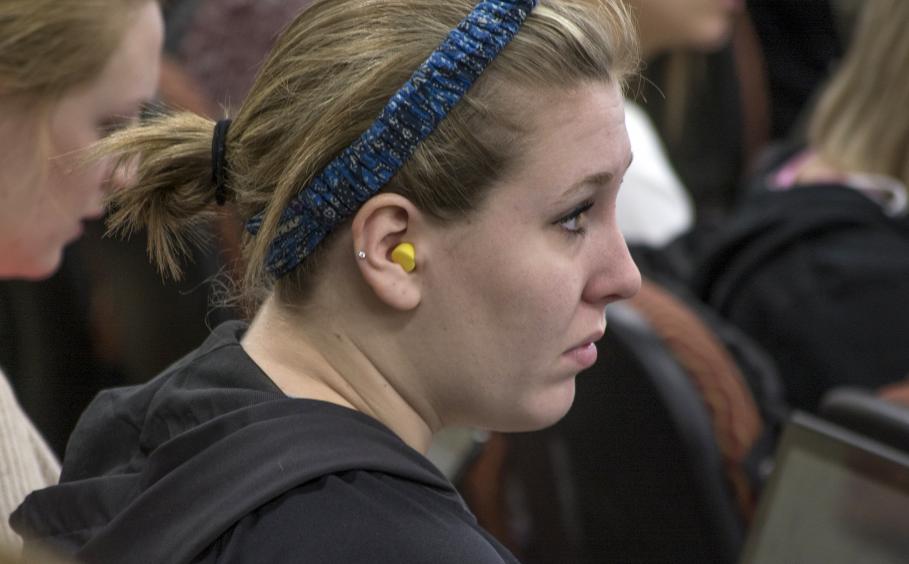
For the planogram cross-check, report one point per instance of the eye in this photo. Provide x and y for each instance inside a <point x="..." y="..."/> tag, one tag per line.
<point x="113" y="124"/>
<point x="116" y="122"/>
<point x="575" y="221"/>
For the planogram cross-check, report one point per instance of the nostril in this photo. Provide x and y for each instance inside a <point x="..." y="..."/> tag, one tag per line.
<point x="634" y="282"/>
<point x="631" y="282"/>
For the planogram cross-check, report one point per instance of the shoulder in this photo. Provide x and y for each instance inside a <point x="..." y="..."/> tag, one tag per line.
<point x="26" y="462"/>
<point x="838" y="231"/>
<point x="805" y="247"/>
<point x="21" y="446"/>
<point x="358" y="516"/>
<point x="824" y="229"/>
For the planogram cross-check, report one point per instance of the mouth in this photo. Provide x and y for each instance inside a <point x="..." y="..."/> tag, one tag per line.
<point x="93" y="215"/>
<point x="79" y="229"/>
<point x="75" y="233"/>
<point x="585" y="353"/>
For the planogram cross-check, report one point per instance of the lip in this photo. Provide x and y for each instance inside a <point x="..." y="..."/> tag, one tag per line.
<point x="76" y="232"/>
<point x="94" y="214"/>
<point x="591" y="338"/>
<point x="585" y="354"/>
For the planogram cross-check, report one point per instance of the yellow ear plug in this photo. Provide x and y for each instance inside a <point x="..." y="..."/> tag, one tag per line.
<point x="405" y="255"/>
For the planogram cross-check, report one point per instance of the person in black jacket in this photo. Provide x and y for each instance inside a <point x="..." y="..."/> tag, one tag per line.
<point x="445" y="263"/>
<point x="816" y="264"/>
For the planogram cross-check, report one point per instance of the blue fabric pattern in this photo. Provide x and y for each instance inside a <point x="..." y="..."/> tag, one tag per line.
<point x="364" y="167"/>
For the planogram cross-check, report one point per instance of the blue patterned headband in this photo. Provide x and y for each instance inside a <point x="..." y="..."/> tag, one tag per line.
<point x="364" y="167"/>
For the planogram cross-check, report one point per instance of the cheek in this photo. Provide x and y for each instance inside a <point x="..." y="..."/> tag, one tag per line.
<point x="78" y="186"/>
<point x="509" y="297"/>
<point x="92" y="177"/>
<point x="528" y="301"/>
<point x="32" y="238"/>
<point x="72" y="127"/>
<point x="71" y="135"/>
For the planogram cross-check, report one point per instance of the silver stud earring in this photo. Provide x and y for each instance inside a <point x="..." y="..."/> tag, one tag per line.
<point x="361" y="255"/>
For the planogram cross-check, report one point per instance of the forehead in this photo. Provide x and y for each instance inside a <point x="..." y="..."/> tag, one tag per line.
<point x="131" y="74"/>
<point x="570" y="134"/>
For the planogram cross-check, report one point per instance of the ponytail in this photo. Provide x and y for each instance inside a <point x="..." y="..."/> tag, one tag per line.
<point x="169" y="161"/>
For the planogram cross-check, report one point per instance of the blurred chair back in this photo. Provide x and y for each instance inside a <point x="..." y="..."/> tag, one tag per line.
<point x="861" y="412"/>
<point x="651" y="463"/>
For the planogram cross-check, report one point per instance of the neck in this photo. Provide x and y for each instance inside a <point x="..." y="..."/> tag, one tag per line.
<point x="327" y="364"/>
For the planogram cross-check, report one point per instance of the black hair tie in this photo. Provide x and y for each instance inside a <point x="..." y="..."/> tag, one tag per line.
<point x="218" y="160"/>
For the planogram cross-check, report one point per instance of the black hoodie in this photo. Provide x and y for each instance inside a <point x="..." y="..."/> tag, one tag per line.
<point x="210" y="462"/>
<point x="819" y="276"/>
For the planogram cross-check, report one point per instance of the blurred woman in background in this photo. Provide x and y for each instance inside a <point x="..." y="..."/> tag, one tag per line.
<point x="815" y="266"/>
<point x="655" y="206"/>
<point x="71" y="72"/>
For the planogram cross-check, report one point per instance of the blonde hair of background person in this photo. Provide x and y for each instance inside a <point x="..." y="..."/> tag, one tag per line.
<point x="861" y="122"/>
<point x="70" y="70"/>
<point x="656" y="207"/>
<point x="509" y="204"/>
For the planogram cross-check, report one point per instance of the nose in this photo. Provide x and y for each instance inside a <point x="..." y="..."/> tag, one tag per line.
<point x="615" y="276"/>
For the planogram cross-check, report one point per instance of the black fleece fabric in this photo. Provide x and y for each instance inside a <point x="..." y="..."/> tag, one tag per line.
<point x="210" y="462"/>
<point x="819" y="276"/>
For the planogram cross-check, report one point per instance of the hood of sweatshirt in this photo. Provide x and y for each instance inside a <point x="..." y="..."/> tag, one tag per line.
<point x="163" y="469"/>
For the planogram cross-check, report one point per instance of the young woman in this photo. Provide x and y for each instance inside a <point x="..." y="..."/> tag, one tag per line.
<point x="445" y="263"/>
<point x="70" y="71"/>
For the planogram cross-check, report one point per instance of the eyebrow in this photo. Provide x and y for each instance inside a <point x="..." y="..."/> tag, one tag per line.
<point x="148" y="106"/>
<point x="141" y="104"/>
<point x="596" y="179"/>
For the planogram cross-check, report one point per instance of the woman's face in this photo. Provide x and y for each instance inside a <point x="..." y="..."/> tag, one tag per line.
<point x="44" y="201"/>
<point x="700" y="25"/>
<point x="516" y="295"/>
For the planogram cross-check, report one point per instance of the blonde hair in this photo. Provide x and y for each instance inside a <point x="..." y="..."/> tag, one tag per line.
<point x="328" y="77"/>
<point x="861" y="122"/>
<point x="48" y="47"/>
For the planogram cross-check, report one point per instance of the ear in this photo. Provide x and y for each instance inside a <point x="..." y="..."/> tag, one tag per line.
<point x="378" y="227"/>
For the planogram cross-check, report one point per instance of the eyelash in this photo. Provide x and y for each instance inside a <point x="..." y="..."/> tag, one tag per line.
<point x="112" y="125"/>
<point x="115" y="123"/>
<point x="573" y="215"/>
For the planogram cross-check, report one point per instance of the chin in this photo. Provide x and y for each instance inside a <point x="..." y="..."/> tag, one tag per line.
<point x="715" y="37"/>
<point x="539" y="412"/>
<point x="38" y="268"/>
